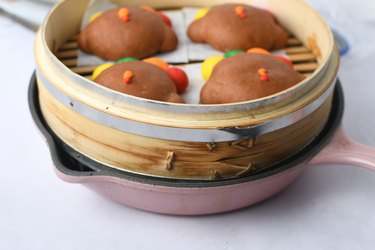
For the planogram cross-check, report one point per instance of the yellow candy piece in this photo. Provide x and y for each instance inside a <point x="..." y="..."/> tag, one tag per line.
<point x="157" y="62"/>
<point x="208" y="65"/>
<point x="100" y="69"/>
<point x="201" y="13"/>
<point x="95" y="16"/>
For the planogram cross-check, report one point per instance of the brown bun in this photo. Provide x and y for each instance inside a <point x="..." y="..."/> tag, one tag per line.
<point x="111" y="38"/>
<point x="237" y="79"/>
<point x="225" y="30"/>
<point x="148" y="81"/>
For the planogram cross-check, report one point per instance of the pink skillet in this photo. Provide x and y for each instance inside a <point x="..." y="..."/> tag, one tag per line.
<point x="188" y="197"/>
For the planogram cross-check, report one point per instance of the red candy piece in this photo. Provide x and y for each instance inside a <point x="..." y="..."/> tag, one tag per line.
<point x="284" y="59"/>
<point x="179" y="77"/>
<point x="264" y="78"/>
<point x="263" y="74"/>
<point x="166" y="19"/>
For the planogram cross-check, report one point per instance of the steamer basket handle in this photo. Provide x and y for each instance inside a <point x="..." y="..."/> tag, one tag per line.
<point x="343" y="150"/>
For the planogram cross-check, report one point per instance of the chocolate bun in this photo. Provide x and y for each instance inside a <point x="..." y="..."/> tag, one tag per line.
<point x="247" y="76"/>
<point x="238" y="26"/>
<point x="127" y="32"/>
<point x="140" y="79"/>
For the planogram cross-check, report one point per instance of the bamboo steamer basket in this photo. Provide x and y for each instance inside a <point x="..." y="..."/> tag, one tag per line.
<point x="185" y="141"/>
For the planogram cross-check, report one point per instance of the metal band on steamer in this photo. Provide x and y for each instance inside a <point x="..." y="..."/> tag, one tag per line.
<point x="182" y="134"/>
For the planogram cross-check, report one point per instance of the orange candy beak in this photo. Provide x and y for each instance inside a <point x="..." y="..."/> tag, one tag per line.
<point x="124" y="14"/>
<point x="128" y="77"/>
<point x="263" y="74"/>
<point x="240" y="11"/>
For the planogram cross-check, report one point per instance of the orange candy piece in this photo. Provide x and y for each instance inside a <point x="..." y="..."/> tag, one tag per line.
<point x="258" y="51"/>
<point x="263" y="74"/>
<point x="240" y="11"/>
<point x="157" y="62"/>
<point x="128" y="77"/>
<point x="148" y="8"/>
<point x="124" y="14"/>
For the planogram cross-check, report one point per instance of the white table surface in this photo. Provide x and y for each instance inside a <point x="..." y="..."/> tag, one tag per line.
<point x="329" y="207"/>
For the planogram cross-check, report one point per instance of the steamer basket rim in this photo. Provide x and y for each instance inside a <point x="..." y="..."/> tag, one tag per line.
<point x="282" y="96"/>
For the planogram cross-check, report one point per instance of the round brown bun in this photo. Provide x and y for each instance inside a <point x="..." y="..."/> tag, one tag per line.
<point x="247" y="76"/>
<point x="127" y="32"/>
<point x="140" y="79"/>
<point x="238" y="26"/>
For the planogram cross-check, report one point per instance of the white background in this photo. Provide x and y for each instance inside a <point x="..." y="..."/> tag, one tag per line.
<point x="329" y="207"/>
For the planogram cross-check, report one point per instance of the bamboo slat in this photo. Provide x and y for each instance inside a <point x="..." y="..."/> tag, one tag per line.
<point x="301" y="57"/>
<point x="294" y="42"/>
<point x="306" y="67"/>
<point x="70" y="46"/>
<point x="67" y="54"/>
<point x="296" y="51"/>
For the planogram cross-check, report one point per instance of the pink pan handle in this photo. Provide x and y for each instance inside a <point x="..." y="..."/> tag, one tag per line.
<point x="343" y="150"/>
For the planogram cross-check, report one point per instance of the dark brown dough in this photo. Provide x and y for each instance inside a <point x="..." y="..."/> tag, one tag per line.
<point x="236" y="79"/>
<point x="149" y="81"/>
<point x="143" y="35"/>
<point x="225" y="30"/>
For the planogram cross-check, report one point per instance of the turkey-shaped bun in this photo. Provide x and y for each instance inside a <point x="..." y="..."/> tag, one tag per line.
<point x="140" y="79"/>
<point x="247" y="76"/>
<point x="238" y="26"/>
<point x="128" y="32"/>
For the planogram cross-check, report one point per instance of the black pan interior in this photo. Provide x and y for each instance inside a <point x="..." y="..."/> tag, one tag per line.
<point x="70" y="162"/>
